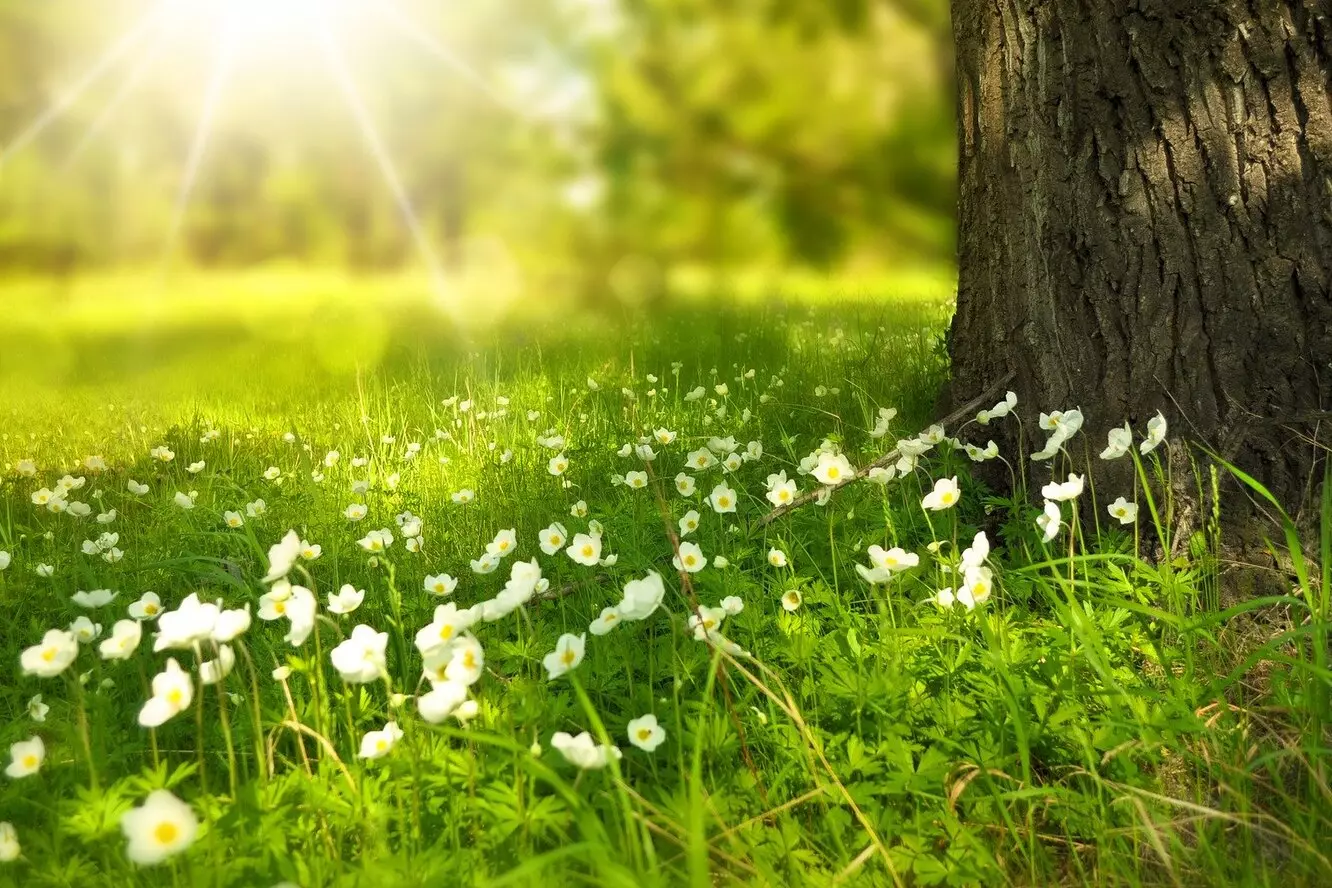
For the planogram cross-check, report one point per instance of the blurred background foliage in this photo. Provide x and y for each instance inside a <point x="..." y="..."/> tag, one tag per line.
<point x="602" y="145"/>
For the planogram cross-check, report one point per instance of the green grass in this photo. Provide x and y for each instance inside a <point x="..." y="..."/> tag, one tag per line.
<point x="1095" y="722"/>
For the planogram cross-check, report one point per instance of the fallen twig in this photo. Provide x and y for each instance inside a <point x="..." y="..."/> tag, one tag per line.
<point x="967" y="409"/>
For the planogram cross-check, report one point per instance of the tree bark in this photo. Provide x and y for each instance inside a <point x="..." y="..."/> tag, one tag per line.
<point x="1146" y="219"/>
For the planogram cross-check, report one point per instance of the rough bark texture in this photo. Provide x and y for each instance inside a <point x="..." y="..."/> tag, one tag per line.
<point x="1146" y="218"/>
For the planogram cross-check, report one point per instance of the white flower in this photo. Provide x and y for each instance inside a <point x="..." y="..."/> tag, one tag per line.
<point x="233" y="519"/>
<point x="441" y="584"/>
<point x="108" y="517"/>
<point x="1124" y="510"/>
<point x="505" y="543"/>
<point x="636" y="480"/>
<point x="579" y="509"/>
<point x="26" y="758"/>
<point x="184" y="500"/>
<point x="161" y="828"/>
<point x="162" y="454"/>
<point x="26" y="467"/>
<point x="85" y="630"/>
<point x="5" y="559"/>
<point x="173" y="690"/>
<point x="701" y="459"/>
<point x="722" y="499"/>
<point x="463" y="497"/>
<point x="664" y="436"/>
<point x="689" y="523"/>
<point x="256" y="509"/>
<point x="136" y="488"/>
<point x="1063" y="491"/>
<point x="345" y="600"/>
<point x="377" y="744"/>
<point x="642" y="597"/>
<point x="944" y="495"/>
<point x="9" y="843"/>
<point x="782" y="492"/>
<point x="376" y="541"/>
<point x="188" y="625"/>
<point x="1049" y="520"/>
<point x="979" y="550"/>
<point x="361" y="658"/>
<point x="282" y="555"/>
<point x="311" y="551"/>
<point x="791" y="600"/>
<point x="585" y="549"/>
<point x="606" y="621"/>
<point x="777" y="558"/>
<point x="52" y="656"/>
<point x="1118" y="442"/>
<point x="553" y="538"/>
<point x="196" y="467"/>
<point x="691" y="558"/>
<point x="37" y="710"/>
<point x="124" y="640"/>
<point x="976" y="585"/>
<point x="567" y="655"/>
<point x="892" y="560"/>
<point x="882" y="475"/>
<point x="1156" y="432"/>
<point x="213" y="671"/>
<point x="646" y="733"/>
<point x="44" y="570"/>
<point x="685" y="484"/>
<point x="231" y="624"/>
<point x="355" y="512"/>
<point x="449" y="622"/>
<point x="977" y="454"/>
<point x="95" y="598"/>
<point x="147" y="607"/>
<point x="442" y="700"/>
<point x="582" y="752"/>
<point x="558" y="464"/>
<point x="486" y="564"/>
<point x="833" y="469"/>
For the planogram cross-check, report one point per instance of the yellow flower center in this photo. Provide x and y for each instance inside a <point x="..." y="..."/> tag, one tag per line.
<point x="469" y="659"/>
<point x="587" y="551"/>
<point x="30" y="762"/>
<point x="280" y="607"/>
<point x="174" y="696"/>
<point x="834" y="472"/>
<point x="689" y="560"/>
<point x="150" y="609"/>
<point x="381" y="745"/>
<point x="446" y="631"/>
<point x="947" y="497"/>
<point x="723" y="501"/>
<point x="165" y="832"/>
<point x="567" y="657"/>
<point x="555" y="540"/>
<point x="49" y="655"/>
<point x="644" y="734"/>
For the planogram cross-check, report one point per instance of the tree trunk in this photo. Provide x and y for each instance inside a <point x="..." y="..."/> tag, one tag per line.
<point x="1146" y="220"/>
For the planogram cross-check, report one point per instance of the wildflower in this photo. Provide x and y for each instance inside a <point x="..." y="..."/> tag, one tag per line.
<point x="448" y="623"/>
<point x="689" y="523"/>
<point x="377" y="744"/>
<point x="944" y="598"/>
<point x="585" y="549"/>
<point x="360" y="659"/>
<point x="44" y="570"/>
<point x="722" y="499"/>
<point x="1049" y="520"/>
<point x="567" y="655"/>
<point x="212" y="672"/>
<point x="579" y="509"/>
<point x="505" y="543"/>
<point x="173" y="690"/>
<point x="881" y="474"/>
<point x="1063" y="491"/>
<point x="1156" y="432"/>
<point x="231" y="624"/>
<point x="345" y="600"/>
<point x="183" y="500"/>
<point x="161" y="828"/>
<point x="376" y="541"/>
<point x="777" y="558"/>
<point x="355" y="512"/>
<point x="124" y="640"/>
<point x="636" y="480"/>
<point x="690" y="559"/>
<point x="944" y="495"/>
<point x="558" y="464"/>
<point x="57" y="650"/>
<point x="5" y="559"/>
<point x="608" y="619"/>
<point x="685" y="484"/>
<point x="782" y="492"/>
<point x="9" y="843"/>
<point x="486" y="564"/>
<point x="108" y="517"/>
<point x="93" y="599"/>
<point x="442" y="700"/>
<point x="720" y="561"/>
<point x="791" y="600"/>
<point x="256" y="509"/>
<point x="978" y="454"/>
<point x="553" y="538"/>
<point x="1124" y="510"/>
<point x="642" y="597"/>
<point x="26" y="467"/>
<point x="1003" y="408"/>
<point x="233" y="520"/>
<point x="188" y="625"/>
<point x="85" y="630"/>
<point x="466" y="661"/>
<point x="582" y="752"/>
<point x="975" y="554"/>
<point x="310" y="551"/>
<point x="37" y="710"/>
<point x="195" y="468"/>
<point x="147" y="607"/>
<point x="976" y="585"/>
<point x="1118" y="442"/>
<point x="463" y="497"/>
<point x="664" y="436"/>
<point x="646" y="733"/>
<point x="26" y="758"/>
<point x="162" y="454"/>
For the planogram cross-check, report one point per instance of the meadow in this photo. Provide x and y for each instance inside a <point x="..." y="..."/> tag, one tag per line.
<point x="498" y="602"/>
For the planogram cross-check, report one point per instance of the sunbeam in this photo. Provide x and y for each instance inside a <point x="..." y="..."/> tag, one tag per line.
<point x="374" y="142"/>
<point x="114" y="54"/>
<point x="212" y="98"/>
<point x="123" y="92"/>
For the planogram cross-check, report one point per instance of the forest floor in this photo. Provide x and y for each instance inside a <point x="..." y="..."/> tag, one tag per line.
<point x="511" y="528"/>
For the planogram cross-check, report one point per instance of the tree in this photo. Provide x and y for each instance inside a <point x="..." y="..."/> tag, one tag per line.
<point x="1146" y="219"/>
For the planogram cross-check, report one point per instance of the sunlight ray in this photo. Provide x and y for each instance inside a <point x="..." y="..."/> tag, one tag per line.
<point x="374" y="142"/>
<point x="198" y="147"/>
<point x="123" y="92"/>
<point x="389" y="11"/>
<point x="113" y="54"/>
